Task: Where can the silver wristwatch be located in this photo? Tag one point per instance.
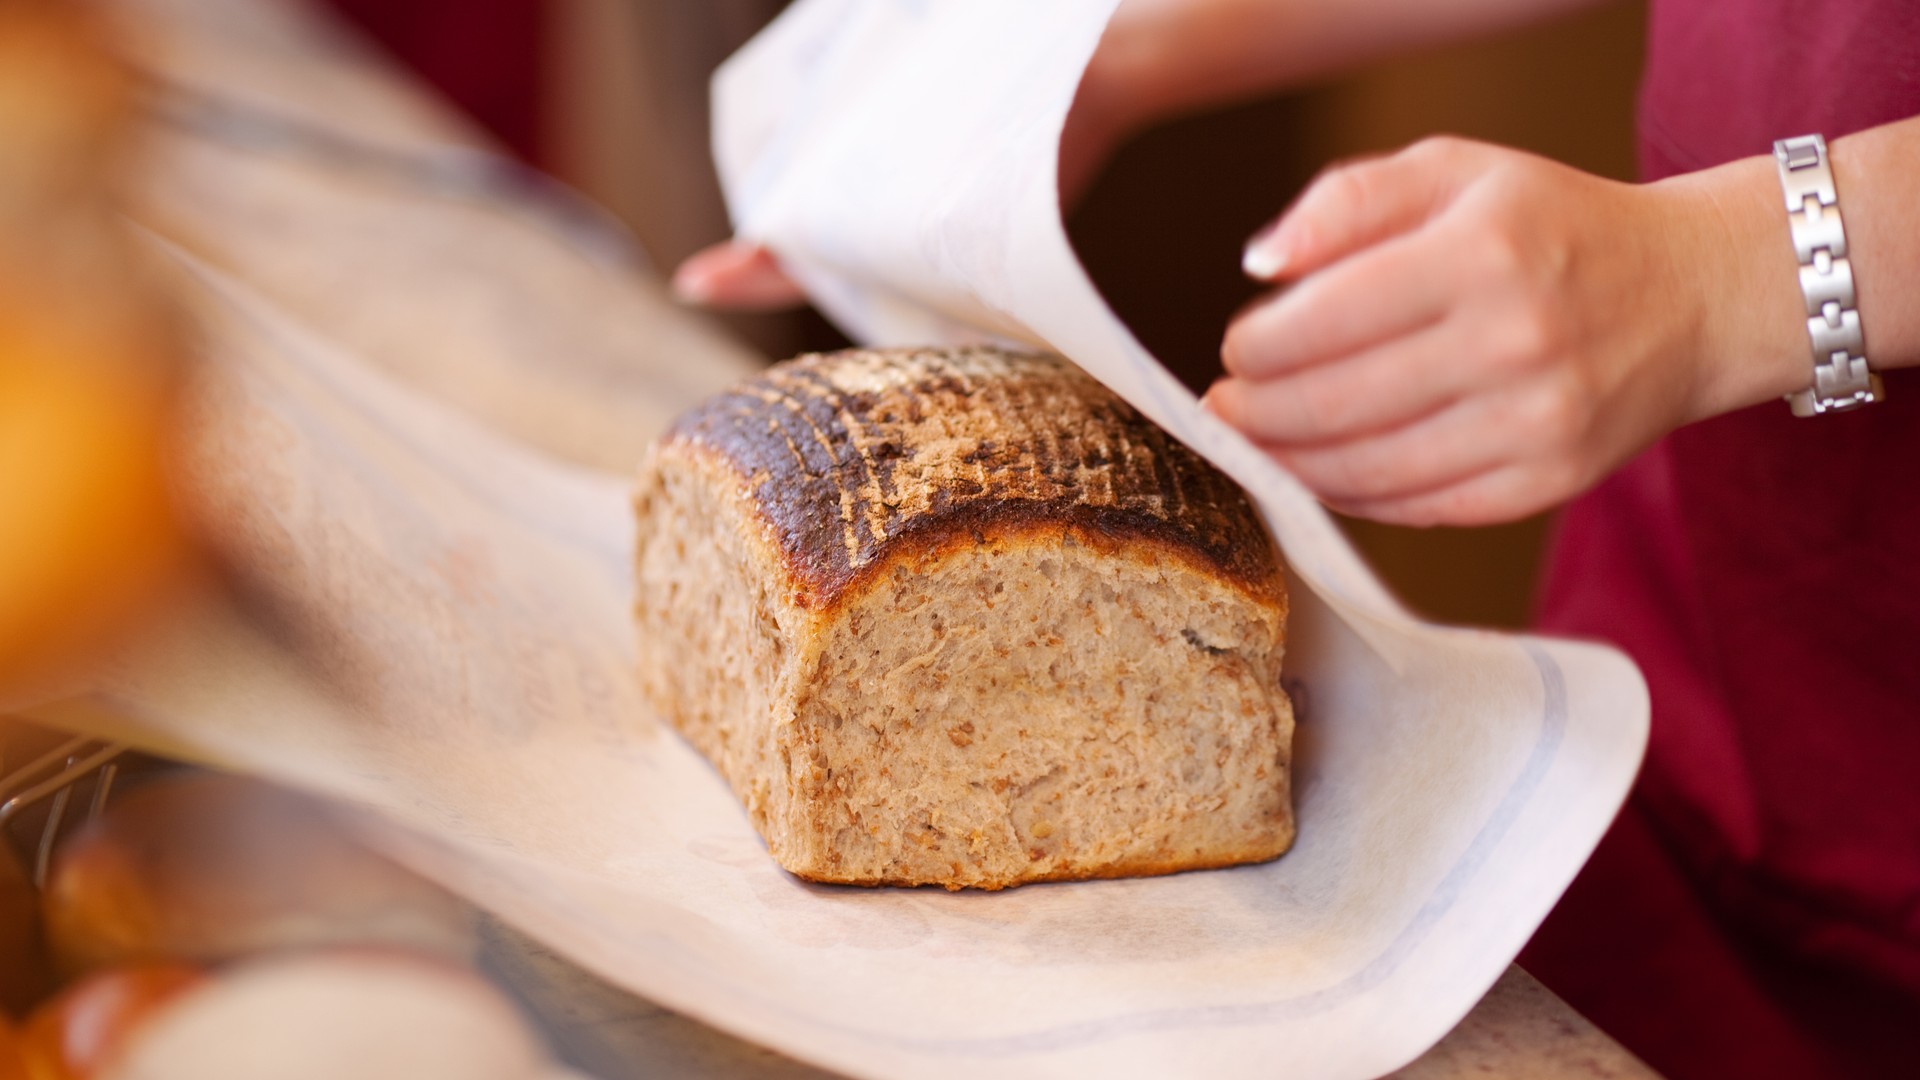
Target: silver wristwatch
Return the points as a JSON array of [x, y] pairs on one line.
[[1841, 378]]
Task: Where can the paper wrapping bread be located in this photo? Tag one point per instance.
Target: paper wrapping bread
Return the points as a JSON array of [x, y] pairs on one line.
[[965, 618]]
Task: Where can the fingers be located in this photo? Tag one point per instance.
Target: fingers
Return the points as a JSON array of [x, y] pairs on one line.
[[1506, 493], [1387, 292], [1452, 350], [736, 276], [1372, 391], [1455, 444], [1354, 206]]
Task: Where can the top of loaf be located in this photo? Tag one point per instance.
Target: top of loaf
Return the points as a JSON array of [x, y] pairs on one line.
[[849, 456]]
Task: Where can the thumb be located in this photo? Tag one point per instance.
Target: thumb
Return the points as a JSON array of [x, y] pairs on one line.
[[736, 275], [1356, 205]]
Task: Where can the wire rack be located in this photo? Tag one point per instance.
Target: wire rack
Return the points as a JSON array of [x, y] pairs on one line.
[[79, 767]]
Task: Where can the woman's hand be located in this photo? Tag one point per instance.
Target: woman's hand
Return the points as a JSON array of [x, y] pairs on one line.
[[1476, 334]]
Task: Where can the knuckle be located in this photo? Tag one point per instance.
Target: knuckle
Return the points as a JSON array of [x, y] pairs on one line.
[[1328, 473], [1234, 349], [1256, 345], [1438, 148], [1424, 513], [1308, 467], [1558, 477], [1315, 410], [1532, 335], [1519, 334], [1556, 414], [1469, 504], [1269, 414], [1546, 417], [1344, 189], [1554, 263], [1500, 256], [1579, 404], [1353, 473]]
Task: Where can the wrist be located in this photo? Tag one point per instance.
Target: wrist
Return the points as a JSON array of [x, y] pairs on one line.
[[1120, 93], [1162, 59], [1107, 110], [1737, 271]]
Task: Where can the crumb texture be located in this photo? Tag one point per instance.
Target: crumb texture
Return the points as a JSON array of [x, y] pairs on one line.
[[963, 618]]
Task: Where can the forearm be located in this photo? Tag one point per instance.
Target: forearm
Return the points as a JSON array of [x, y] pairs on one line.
[[1755, 346], [1165, 57]]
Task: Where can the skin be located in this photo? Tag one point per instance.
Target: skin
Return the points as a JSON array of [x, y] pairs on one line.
[[1465, 333]]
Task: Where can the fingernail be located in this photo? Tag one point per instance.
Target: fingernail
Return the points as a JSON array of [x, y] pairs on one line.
[[1267, 254]]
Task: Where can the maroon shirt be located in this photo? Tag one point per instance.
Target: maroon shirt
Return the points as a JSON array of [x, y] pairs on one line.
[[1756, 912]]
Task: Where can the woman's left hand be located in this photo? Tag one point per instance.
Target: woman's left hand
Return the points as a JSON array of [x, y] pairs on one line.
[[1476, 334]]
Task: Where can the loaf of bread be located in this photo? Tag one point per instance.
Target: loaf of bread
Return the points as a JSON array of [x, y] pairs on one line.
[[965, 618]]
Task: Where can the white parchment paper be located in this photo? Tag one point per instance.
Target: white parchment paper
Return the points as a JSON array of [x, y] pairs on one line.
[[446, 643]]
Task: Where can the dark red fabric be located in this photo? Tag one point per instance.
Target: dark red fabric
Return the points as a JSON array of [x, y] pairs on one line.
[[485, 55], [1756, 912]]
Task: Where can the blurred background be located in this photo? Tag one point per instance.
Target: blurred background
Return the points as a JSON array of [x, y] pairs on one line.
[[610, 96]]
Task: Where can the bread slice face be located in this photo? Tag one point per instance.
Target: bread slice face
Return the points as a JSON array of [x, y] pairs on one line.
[[964, 617]]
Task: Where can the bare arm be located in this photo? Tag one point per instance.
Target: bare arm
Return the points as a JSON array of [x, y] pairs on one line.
[[1162, 58]]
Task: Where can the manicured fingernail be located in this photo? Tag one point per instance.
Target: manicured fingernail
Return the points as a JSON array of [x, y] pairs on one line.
[[1267, 254]]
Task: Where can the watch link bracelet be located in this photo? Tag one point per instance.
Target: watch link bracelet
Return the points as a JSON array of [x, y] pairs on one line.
[[1841, 378]]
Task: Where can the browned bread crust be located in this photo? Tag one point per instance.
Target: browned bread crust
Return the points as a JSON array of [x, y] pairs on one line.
[[965, 618], [912, 445]]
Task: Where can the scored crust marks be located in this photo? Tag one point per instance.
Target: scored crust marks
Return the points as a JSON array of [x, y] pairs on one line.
[[909, 443]]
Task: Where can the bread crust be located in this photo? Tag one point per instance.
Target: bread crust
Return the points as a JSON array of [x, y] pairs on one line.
[[919, 446], [965, 618]]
